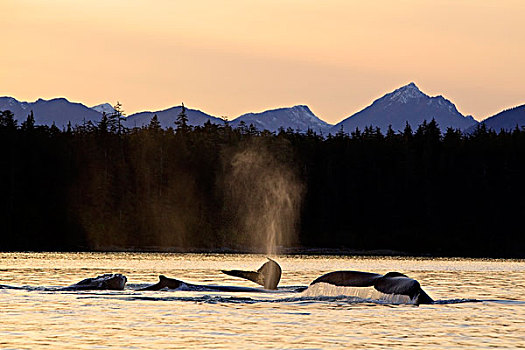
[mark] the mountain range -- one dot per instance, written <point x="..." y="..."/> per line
<point x="298" y="118"/>
<point x="167" y="118"/>
<point x="46" y="112"/>
<point x="405" y="104"/>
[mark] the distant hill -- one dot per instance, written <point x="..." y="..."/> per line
<point x="406" y="104"/>
<point x="57" y="110"/>
<point x="104" y="108"/>
<point x="299" y="118"/>
<point x="506" y="120"/>
<point x="167" y="118"/>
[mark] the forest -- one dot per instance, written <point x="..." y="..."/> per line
<point x="100" y="186"/>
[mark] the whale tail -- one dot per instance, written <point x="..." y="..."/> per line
<point x="422" y="298"/>
<point x="164" y="282"/>
<point x="268" y="275"/>
<point x="392" y="283"/>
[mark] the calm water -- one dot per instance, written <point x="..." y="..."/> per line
<point x="32" y="317"/>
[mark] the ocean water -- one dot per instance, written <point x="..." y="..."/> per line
<point x="480" y="304"/>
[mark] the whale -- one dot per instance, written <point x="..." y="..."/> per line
<point x="394" y="283"/>
<point x="108" y="281"/>
<point x="268" y="275"/>
<point x="172" y="283"/>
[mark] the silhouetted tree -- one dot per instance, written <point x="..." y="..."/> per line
<point x="94" y="186"/>
<point x="182" y="121"/>
<point x="29" y="124"/>
<point x="7" y="120"/>
<point x="154" y="124"/>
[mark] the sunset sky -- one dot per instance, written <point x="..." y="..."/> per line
<point x="236" y="56"/>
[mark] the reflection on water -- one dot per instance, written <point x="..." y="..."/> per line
<point x="326" y="317"/>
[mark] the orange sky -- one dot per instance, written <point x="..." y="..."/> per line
<point x="236" y="56"/>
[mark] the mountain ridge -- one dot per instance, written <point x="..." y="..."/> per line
<point x="59" y="111"/>
<point x="508" y="119"/>
<point x="168" y="116"/>
<point x="406" y="104"/>
<point x="300" y="118"/>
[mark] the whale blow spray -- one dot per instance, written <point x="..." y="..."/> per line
<point x="265" y="196"/>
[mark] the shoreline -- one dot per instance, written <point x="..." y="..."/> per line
<point x="295" y="251"/>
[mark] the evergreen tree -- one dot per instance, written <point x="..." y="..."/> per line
<point x="390" y="133"/>
<point x="182" y="121"/>
<point x="116" y="118"/>
<point x="104" y="125"/>
<point x="154" y="124"/>
<point x="407" y="132"/>
<point x="29" y="124"/>
<point x="7" y="120"/>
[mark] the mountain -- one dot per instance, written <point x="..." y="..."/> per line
<point x="506" y="120"/>
<point x="298" y="118"/>
<point x="104" y="108"/>
<point x="46" y="112"/>
<point x="168" y="117"/>
<point x="406" y="104"/>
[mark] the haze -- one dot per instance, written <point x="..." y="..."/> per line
<point x="232" y="57"/>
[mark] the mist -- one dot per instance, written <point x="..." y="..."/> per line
<point x="265" y="195"/>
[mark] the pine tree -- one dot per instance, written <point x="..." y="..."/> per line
<point x="29" y="124"/>
<point x="154" y="123"/>
<point x="182" y="120"/>
<point x="115" y="119"/>
<point x="7" y="120"/>
<point x="103" y="125"/>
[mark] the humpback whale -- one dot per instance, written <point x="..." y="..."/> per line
<point x="268" y="275"/>
<point x="107" y="281"/>
<point x="391" y="283"/>
<point x="172" y="283"/>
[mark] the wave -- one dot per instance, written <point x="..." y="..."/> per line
<point x="319" y="293"/>
<point x="302" y="300"/>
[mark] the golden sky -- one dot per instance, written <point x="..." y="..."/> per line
<point x="237" y="56"/>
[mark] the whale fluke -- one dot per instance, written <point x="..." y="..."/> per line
<point x="107" y="281"/>
<point x="164" y="282"/>
<point x="268" y="275"/>
<point x="391" y="283"/>
<point x="348" y="278"/>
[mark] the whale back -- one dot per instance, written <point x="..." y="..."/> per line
<point x="268" y="275"/>
<point x="107" y="281"/>
<point x="164" y="282"/>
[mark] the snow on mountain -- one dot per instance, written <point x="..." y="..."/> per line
<point x="298" y="118"/>
<point x="19" y="109"/>
<point x="104" y="108"/>
<point x="406" y="104"/>
<point x="168" y="117"/>
<point x="46" y="112"/>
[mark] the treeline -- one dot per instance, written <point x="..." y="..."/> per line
<point x="101" y="186"/>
